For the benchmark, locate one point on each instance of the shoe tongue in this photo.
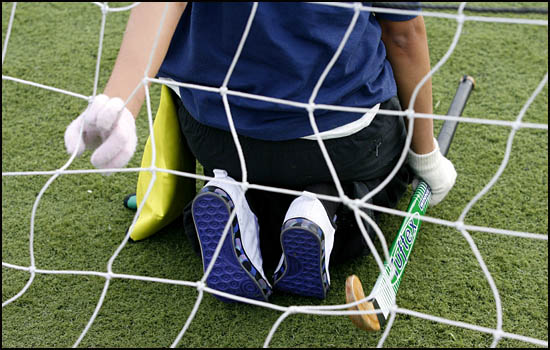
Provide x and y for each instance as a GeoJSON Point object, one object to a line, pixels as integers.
{"type": "Point", "coordinates": [220, 173]}
{"type": "Point", "coordinates": [308, 207]}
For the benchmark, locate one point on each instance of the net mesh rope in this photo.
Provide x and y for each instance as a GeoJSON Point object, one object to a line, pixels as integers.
{"type": "Point", "coordinates": [356, 204]}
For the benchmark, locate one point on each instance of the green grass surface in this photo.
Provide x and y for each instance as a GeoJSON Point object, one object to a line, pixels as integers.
{"type": "Point", "coordinates": [81, 220]}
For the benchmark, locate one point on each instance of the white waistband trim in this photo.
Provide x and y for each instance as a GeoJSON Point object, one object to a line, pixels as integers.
{"type": "Point", "coordinates": [348, 129]}
{"type": "Point", "coordinates": [341, 131]}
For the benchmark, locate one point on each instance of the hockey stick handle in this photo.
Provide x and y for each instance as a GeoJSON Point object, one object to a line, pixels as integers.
{"type": "Point", "coordinates": [456, 108]}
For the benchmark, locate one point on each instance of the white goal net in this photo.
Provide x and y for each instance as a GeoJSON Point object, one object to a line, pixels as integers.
{"type": "Point", "coordinates": [460, 225]}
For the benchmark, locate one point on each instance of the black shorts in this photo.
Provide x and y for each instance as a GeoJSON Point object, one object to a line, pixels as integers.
{"type": "Point", "coordinates": [362, 161]}
{"type": "Point", "coordinates": [368, 154]}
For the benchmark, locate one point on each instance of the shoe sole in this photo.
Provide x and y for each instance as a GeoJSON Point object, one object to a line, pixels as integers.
{"type": "Point", "coordinates": [304, 262]}
{"type": "Point", "coordinates": [210, 215]}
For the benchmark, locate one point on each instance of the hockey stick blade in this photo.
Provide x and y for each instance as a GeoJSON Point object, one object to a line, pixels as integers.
{"type": "Point", "coordinates": [354, 292]}
{"type": "Point", "coordinates": [387, 284]}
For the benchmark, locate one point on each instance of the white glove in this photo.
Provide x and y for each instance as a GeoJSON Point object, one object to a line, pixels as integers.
{"type": "Point", "coordinates": [111, 132]}
{"type": "Point", "coordinates": [436, 170]}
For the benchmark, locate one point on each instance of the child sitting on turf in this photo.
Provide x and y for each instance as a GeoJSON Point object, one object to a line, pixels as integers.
{"type": "Point", "coordinates": [287, 49]}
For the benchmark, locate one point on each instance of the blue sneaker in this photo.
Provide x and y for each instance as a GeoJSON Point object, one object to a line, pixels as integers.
{"type": "Point", "coordinates": [307, 238]}
{"type": "Point", "coordinates": [238, 268]}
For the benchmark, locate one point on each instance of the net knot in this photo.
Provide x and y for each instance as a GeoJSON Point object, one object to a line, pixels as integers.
{"type": "Point", "coordinates": [292, 309]}
{"type": "Point", "coordinates": [350, 203]}
{"type": "Point", "coordinates": [200, 286]}
{"type": "Point", "coordinates": [104, 9]}
{"type": "Point", "coordinates": [245, 185]}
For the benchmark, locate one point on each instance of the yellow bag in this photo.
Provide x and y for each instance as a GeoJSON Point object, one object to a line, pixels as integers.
{"type": "Point", "coordinates": [170, 193]}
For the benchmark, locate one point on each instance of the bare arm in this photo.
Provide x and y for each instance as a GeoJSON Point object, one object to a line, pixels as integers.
{"type": "Point", "coordinates": [407, 50]}
{"type": "Point", "coordinates": [136, 47]}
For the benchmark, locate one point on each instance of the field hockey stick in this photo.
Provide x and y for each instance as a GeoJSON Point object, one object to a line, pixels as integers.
{"type": "Point", "coordinates": [387, 284]}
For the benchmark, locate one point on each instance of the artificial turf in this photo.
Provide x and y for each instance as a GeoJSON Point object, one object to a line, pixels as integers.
{"type": "Point", "coordinates": [81, 220]}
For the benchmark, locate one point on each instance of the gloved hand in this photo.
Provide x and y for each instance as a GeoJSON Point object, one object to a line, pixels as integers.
{"type": "Point", "coordinates": [436, 170]}
{"type": "Point", "coordinates": [111, 132]}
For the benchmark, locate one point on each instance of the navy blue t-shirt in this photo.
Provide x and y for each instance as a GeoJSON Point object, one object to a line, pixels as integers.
{"type": "Point", "coordinates": [288, 47]}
